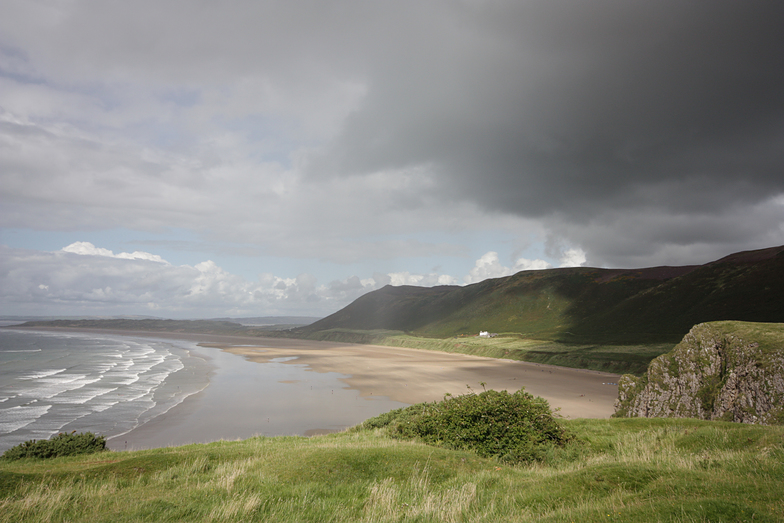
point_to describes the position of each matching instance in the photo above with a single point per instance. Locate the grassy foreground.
(621, 359)
(622, 470)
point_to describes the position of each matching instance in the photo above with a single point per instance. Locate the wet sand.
(238, 403)
(245, 399)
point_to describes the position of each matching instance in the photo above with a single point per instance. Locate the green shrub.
(59, 445)
(514, 427)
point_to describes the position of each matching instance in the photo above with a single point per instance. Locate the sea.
(53, 382)
(124, 387)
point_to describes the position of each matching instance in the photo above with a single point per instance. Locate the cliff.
(728, 370)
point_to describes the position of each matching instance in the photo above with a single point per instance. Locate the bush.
(59, 445)
(514, 427)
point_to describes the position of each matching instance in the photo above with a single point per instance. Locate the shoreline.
(379, 376)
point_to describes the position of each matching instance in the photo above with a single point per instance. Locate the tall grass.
(619, 470)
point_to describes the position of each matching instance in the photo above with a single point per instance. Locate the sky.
(196, 159)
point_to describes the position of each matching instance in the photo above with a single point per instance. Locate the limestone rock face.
(712, 374)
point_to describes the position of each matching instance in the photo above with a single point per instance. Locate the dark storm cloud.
(634, 132)
(565, 109)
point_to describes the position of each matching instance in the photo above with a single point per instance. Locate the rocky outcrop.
(732, 371)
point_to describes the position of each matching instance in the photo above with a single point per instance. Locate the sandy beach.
(412, 376)
(321, 387)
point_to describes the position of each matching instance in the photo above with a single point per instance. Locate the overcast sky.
(198, 158)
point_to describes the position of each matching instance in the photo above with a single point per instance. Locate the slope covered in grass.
(579, 305)
(621, 470)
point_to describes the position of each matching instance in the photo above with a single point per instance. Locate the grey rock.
(713, 374)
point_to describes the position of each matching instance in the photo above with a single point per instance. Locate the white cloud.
(524, 264)
(85, 279)
(489, 266)
(573, 258)
(422, 280)
(88, 249)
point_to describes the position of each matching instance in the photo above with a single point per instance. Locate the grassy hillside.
(744, 287)
(580, 305)
(622, 470)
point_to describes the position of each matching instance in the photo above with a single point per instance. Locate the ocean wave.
(107, 385)
(136, 391)
(126, 378)
(39, 374)
(57, 389)
(104, 368)
(85, 395)
(17, 418)
(100, 406)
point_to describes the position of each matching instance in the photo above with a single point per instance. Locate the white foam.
(136, 391)
(41, 374)
(121, 367)
(62, 379)
(112, 386)
(147, 363)
(16, 418)
(129, 378)
(102, 406)
(105, 367)
(157, 379)
(57, 389)
(84, 395)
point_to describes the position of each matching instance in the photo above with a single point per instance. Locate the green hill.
(579, 305)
